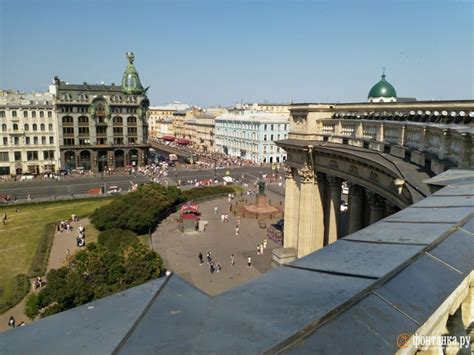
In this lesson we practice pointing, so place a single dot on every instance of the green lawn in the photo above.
(19, 237)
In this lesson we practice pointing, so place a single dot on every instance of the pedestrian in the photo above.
(219, 267)
(232, 260)
(28, 197)
(215, 210)
(211, 267)
(258, 249)
(261, 248)
(11, 322)
(200, 259)
(249, 262)
(67, 252)
(264, 244)
(236, 230)
(22, 324)
(222, 218)
(209, 258)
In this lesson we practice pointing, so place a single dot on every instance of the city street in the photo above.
(81, 185)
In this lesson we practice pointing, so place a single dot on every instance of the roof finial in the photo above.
(130, 57)
(383, 73)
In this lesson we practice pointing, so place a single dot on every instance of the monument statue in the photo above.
(261, 187)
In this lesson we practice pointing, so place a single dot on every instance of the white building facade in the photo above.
(28, 133)
(251, 135)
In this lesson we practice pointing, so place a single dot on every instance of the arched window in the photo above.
(25, 114)
(15, 127)
(33, 114)
(42, 127)
(50, 127)
(4, 127)
(50, 114)
(35, 127)
(43, 140)
(118, 120)
(131, 120)
(83, 120)
(67, 119)
(41, 114)
(27, 127)
(35, 140)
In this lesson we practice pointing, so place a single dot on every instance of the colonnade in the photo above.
(313, 212)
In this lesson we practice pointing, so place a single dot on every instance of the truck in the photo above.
(172, 159)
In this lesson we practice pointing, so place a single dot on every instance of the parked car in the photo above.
(27, 177)
(112, 190)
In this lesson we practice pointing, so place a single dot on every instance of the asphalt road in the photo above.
(81, 185)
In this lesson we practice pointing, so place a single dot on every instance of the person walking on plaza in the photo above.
(232, 260)
(11, 322)
(264, 244)
(261, 248)
(258, 249)
(249, 262)
(200, 259)
(236, 231)
(215, 210)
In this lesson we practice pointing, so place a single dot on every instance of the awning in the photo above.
(168, 138)
(183, 141)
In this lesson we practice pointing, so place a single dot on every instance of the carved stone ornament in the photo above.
(333, 164)
(306, 174)
(289, 173)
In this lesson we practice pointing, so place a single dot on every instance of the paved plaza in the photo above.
(180, 250)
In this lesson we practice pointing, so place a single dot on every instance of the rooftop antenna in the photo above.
(383, 72)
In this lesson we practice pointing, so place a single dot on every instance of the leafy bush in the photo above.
(206, 191)
(32, 306)
(97, 272)
(115, 239)
(40, 260)
(21, 287)
(137, 211)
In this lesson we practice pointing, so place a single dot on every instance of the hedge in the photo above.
(21, 287)
(40, 260)
(114, 239)
(206, 191)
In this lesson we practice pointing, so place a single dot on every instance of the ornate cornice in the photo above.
(306, 174)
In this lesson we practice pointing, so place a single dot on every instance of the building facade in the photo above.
(281, 108)
(28, 135)
(205, 121)
(156, 118)
(103, 126)
(251, 135)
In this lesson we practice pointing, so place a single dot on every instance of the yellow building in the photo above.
(156, 119)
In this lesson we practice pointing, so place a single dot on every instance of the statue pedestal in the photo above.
(261, 201)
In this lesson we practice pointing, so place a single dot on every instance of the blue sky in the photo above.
(213, 52)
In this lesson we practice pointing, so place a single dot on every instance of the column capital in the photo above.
(289, 174)
(334, 182)
(374, 199)
(355, 190)
(306, 174)
(320, 177)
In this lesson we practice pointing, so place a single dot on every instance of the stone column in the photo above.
(319, 197)
(356, 208)
(305, 222)
(292, 205)
(334, 208)
(376, 206)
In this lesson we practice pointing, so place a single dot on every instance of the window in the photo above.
(51, 140)
(27, 140)
(35, 127)
(68, 130)
(41, 114)
(3, 156)
(35, 140)
(118, 140)
(15, 127)
(101, 130)
(42, 127)
(118, 130)
(264, 137)
(118, 120)
(4, 127)
(5, 141)
(68, 141)
(25, 114)
(50, 114)
(84, 141)
(67, 120)
(83, 120)
(50, 127)
(132, 131)
(48, 154)
(31, 155)
(17, 156)
(43, 140)
(101, 140)
(2, 114)
(16, 141)
(132, 140)
(13, 113)
(27, 127)
(83, 130)
(33, 114)
(131, 120)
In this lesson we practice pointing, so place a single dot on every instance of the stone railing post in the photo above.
(402, 135)
(380, 133)
(443, 150)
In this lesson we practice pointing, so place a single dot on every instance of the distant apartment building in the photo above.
(103, 126)
(179, 118)
(204, 120)
(156, 117)
(251, 135)
(28, 135)
(283, 108)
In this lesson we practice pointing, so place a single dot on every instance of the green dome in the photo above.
(382, 89)
(131, 81)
